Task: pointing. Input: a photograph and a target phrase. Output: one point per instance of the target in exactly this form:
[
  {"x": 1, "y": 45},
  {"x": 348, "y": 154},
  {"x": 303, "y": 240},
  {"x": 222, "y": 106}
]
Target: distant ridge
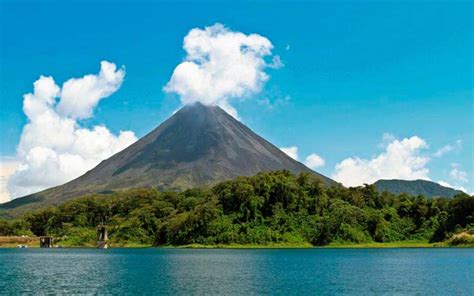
[
  {"x": 199, "y": 145},
  {"x": 415, "y": 188}
]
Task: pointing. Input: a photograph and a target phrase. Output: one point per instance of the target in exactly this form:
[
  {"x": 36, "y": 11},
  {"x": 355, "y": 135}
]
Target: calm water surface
[{"x": 243, "y": 272}]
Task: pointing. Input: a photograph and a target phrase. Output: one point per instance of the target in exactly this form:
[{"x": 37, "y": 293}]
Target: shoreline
[{"x": 34, "y": 243}]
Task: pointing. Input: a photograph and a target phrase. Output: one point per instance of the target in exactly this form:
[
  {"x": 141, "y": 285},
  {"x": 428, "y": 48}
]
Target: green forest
[{"x": 269, "y": 208}]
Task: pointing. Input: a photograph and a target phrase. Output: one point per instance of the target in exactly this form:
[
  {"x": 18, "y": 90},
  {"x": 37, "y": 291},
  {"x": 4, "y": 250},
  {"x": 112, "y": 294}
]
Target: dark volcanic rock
[{"x": 199, "y": 145}]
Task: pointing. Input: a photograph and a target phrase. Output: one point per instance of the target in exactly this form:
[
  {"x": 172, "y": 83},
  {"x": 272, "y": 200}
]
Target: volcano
[{"x": 199, "y": 145}]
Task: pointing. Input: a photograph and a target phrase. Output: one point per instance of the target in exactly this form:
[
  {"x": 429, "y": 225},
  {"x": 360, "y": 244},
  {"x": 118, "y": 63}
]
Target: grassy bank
[
  {"x": 372, "y": 245},
  {"x": 246, "y": 246},
  {"x": 15, "y": 241},
  {"x": 401, "y": 244},
  {"x": 461, "y": 240}
]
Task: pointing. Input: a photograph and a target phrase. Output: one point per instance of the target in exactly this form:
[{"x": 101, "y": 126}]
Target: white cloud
[
  {"x": 446, "y": 184},
  {"x": 314, "y": 161},
  {"x": 272, "y": 104},
  {"x": 400, "y": 160},
  {"x": 448, "y": 148},
  {"x": 79, "y": 96},
  {"x": 221, "y": 65},
  {"x": 54, "y": 148},
  {"x": 7, "y": 168},
  {"x": 276, "y": 62},
  {"x": 443, "y": 150},
  {"x": 387, "y": 138},
  {"x": 458, "y": 174},
  {"x": 291, "y": 151}
]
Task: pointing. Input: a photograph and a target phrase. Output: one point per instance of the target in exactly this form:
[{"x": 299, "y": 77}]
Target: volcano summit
[{"x": 199, "y": 145}]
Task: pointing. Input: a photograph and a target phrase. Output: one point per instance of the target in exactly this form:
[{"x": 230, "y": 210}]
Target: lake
[{"x": 237, "y": 271}]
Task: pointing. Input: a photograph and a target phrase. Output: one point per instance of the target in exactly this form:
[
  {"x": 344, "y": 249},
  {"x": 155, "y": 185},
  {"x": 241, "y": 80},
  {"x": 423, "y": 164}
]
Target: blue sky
[{"x": 353, "y": 71}]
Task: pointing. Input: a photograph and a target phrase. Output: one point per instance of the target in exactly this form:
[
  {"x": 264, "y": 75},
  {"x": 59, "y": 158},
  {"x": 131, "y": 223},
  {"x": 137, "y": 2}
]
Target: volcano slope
[{"x": 197, "y": 146}]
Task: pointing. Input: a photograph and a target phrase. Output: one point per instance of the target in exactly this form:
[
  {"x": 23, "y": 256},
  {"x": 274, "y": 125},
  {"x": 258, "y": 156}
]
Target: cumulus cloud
[
  {"x": 220, "y": 65},
  {"x": 7, "y": 168},
  {"x": 400, "y": 160},
  {"x": 291, "y": 151},
  {"x": 457, "y": 174},
  {"x": 79, "y": 96},
  {"x": 54, "y": 148},
  {"x": 314, "y": 161}
]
